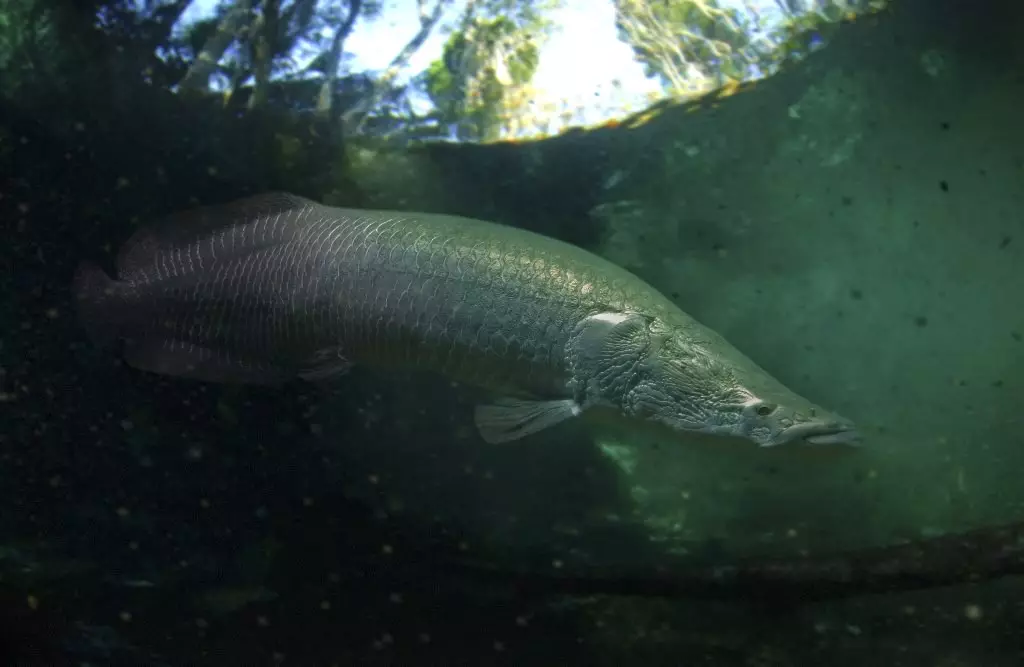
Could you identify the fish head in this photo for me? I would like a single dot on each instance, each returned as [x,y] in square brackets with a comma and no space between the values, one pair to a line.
[689,379]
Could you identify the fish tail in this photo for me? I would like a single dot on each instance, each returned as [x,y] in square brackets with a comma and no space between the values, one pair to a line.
[97,298]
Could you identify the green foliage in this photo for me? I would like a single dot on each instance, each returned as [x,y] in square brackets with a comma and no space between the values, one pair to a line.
[691,44]
[30,45]
[439,81]
[479,63]
[683,42]
[21,27]
[46,45]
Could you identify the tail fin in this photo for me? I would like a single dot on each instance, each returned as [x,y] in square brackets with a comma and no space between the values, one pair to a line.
[96,295]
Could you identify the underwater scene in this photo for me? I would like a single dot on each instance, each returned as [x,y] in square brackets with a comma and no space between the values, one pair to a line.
[557,333]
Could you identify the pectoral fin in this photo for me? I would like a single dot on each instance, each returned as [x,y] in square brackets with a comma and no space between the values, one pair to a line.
[511,419]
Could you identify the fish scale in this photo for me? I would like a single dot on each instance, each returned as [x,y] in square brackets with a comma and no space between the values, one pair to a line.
[275,287]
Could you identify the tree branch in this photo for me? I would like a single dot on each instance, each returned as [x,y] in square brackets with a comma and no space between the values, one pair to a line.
[231,26]
[265,33]
[355,118]
[326,97]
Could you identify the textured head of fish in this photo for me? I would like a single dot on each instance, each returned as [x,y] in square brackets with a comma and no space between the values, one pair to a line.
[689,379]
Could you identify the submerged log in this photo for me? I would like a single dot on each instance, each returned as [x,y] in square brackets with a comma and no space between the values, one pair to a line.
[974,556]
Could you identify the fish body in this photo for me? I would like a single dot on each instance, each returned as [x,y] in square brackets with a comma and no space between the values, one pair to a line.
[277,286]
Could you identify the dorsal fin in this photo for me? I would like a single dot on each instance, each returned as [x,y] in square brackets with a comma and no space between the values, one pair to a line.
[175,232]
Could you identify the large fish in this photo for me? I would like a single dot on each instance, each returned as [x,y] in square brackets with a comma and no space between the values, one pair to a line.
[276,287]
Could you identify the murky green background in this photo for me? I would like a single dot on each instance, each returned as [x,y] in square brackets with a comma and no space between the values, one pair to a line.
[852,222]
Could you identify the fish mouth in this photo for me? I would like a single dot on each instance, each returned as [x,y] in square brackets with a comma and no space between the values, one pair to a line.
[847,437]
[827,433]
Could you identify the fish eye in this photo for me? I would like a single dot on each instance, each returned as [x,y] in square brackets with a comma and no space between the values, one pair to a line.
[766,409]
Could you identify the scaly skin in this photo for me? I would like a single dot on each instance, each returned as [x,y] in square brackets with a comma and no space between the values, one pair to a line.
[489,304]
[278,286]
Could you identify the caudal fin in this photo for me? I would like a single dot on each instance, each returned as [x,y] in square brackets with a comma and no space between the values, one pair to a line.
[96,298]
